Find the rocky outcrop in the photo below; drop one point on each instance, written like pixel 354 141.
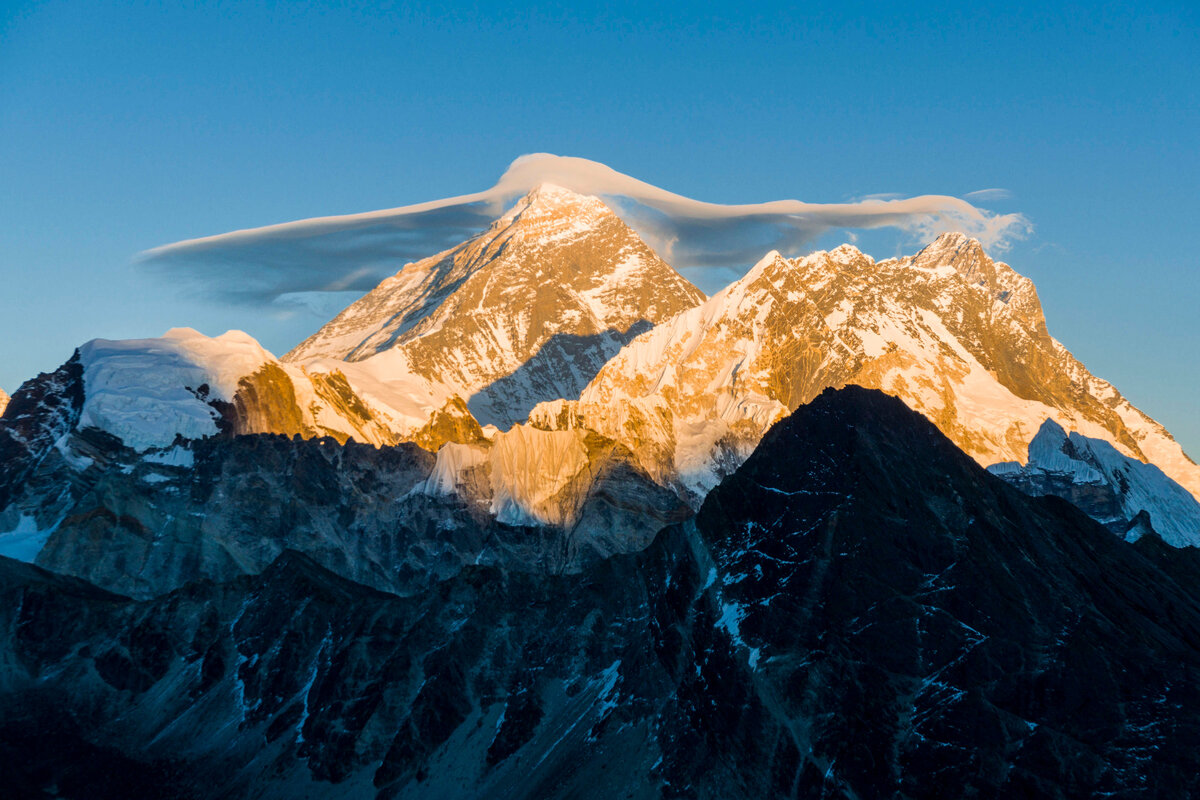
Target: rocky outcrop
pixel 36 419
pixel 859 611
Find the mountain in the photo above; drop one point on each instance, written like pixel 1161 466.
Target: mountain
pixel 80 501
pixel 4 398
pixel 528 310
pixel 1126 495
pixel 859 611
pixel 957 336
pixel 567 282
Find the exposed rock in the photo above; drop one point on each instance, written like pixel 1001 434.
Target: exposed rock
pixel 142 524
pixel 36 418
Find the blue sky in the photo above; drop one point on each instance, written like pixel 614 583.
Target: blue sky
pixel 127 126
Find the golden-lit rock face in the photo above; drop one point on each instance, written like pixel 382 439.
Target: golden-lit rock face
pixel 957 336
pixel 527 311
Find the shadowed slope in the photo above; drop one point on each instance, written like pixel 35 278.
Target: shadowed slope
pixel 860 611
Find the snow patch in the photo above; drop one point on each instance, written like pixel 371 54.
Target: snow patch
pixel 25 541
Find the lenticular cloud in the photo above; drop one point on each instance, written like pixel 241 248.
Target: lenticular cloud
pixel 355 251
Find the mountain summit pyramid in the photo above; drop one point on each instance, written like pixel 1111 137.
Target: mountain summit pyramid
pixel 529 310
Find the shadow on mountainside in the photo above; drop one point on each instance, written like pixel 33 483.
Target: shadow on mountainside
pixel 563 366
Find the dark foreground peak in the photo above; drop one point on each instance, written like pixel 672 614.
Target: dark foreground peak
pixel 859 611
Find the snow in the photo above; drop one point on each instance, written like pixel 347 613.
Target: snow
pixel 453 460
pixel 387 384
pixel 1173 511
pixel 144 390
pixel 25 541
pixel 148 391
pixel 529 468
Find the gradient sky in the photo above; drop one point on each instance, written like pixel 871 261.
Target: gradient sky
pixel 128 126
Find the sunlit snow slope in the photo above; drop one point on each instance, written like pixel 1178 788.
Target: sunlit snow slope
pixel 527 311
pixel 957 336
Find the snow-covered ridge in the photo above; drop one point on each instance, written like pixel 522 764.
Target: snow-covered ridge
pixel 957 336
pixel 146 391
pixel 1087 463
pixel 525 470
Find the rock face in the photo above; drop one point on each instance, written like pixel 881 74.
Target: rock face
pixel 4 398
pixel 527 311
pixel 859 611
pixel 43 412
pixel 925 626
pixel 1112 488
pixel 395 518
pixel 957 336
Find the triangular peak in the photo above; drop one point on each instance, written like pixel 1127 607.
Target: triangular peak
pixel 962 253
pixel 1049 444
pixel 551 200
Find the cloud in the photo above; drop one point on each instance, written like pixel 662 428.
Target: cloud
pixel 354 252
pixel 988 195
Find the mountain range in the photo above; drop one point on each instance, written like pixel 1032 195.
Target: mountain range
pixel 536 518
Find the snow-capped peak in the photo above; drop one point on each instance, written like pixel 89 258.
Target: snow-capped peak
pixel 559 270
pixel 847 254
pixel 949 243
pixel 1106 483
pixel 548 200
pixel 147 390
pixel 956 335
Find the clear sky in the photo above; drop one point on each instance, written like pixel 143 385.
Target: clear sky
pixel 127 126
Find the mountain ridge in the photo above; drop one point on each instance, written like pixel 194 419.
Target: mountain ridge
pixel 958 336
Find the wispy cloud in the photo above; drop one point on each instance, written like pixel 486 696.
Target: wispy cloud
pixel 354 252
pixel 988 195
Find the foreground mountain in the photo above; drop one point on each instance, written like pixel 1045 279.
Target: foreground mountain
pixel 529 310
pixel 860 611
pixel 1124 494
pixel 957 336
